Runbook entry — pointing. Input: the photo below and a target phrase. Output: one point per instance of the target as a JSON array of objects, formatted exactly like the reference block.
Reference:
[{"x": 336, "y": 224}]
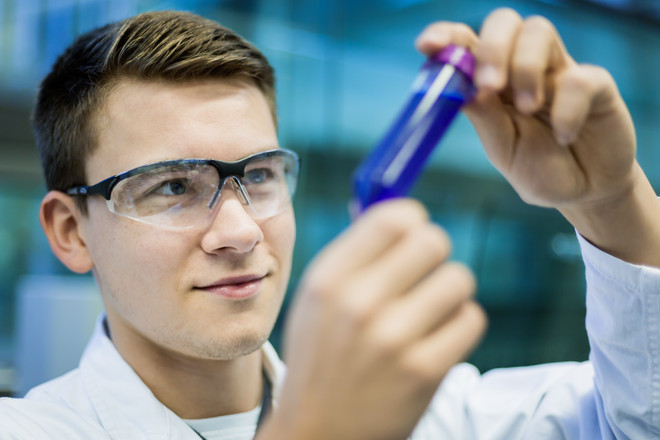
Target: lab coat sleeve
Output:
[
  {"x": 623, "y": 324},
  {"x": 614, "y": 395}
]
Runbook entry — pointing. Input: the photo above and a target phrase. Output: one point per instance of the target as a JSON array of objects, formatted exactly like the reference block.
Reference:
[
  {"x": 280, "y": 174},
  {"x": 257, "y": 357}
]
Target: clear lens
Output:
[
  {"x": 270, "y": 183},
  {"x": 182, "y": 194},
  {"x": 171, "y": 195}
]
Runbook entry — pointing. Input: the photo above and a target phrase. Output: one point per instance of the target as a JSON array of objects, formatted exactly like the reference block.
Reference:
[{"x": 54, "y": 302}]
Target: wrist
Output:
[{"x": 626, "y": 225}]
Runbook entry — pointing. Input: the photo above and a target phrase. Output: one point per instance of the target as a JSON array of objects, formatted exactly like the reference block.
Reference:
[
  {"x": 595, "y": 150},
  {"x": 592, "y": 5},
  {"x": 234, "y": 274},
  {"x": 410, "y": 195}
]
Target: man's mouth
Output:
[{"x": 237, "y": 288}]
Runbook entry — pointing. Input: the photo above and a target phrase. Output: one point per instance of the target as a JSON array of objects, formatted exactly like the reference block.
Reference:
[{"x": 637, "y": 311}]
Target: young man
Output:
[{"x": 159, "y": 145}]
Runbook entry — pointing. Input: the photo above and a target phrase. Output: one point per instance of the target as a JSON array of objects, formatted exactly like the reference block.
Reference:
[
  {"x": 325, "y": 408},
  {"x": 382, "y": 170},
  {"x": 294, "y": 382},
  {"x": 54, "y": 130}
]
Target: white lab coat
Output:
[{"x": 614, "y": 395}]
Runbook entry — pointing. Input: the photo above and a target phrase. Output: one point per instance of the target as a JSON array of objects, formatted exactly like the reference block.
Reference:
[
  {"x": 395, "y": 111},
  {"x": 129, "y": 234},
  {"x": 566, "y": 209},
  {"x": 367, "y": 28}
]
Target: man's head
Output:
[
  {"x": 156, "y": 88},
  {"x": 171, "y": 46}
]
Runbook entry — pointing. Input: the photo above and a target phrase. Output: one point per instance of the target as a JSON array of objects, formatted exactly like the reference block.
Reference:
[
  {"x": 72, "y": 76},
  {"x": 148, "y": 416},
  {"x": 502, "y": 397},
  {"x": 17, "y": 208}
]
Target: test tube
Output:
[{"x": 443, "y": 85}]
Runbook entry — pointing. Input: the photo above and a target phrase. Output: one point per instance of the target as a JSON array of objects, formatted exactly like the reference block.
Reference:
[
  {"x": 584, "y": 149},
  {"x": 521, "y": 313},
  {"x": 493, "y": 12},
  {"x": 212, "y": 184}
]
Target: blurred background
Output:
[{"x": 344, "y": 69}]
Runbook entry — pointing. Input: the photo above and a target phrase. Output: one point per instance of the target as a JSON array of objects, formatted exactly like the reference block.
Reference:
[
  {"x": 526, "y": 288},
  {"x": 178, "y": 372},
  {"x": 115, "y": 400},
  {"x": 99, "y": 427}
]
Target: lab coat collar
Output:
[{"x": 126, "y": 407}]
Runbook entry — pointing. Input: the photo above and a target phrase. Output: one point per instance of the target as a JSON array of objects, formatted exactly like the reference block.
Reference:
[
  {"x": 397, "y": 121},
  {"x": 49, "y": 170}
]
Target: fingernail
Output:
[
  {"x": 563, "y": 139},
  {"x": 487, "y": 76},
  {"x": 525, "y": 102},
  {"x": 438, "y": 38}
]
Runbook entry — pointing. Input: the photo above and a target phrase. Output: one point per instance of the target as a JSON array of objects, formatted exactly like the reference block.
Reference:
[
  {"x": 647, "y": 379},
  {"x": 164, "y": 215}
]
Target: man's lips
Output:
[{"x": 239, "y": 287}]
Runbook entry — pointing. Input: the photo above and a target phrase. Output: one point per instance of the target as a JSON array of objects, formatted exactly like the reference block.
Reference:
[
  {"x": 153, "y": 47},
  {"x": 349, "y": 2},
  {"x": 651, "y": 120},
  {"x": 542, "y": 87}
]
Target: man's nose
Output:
[{"x": 232, "y": 227}]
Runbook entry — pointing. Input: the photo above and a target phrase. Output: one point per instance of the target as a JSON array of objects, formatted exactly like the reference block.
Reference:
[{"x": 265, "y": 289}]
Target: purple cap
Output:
[{"x": 457, "y": 56}]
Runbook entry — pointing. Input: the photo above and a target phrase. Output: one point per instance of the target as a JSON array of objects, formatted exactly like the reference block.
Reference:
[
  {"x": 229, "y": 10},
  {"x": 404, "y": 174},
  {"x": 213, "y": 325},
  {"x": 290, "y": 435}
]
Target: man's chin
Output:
[{"x": 230, "y": 349}]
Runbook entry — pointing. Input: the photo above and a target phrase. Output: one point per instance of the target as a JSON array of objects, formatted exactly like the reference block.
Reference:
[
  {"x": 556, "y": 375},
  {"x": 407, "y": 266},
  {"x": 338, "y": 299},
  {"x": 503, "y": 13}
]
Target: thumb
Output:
[{"x": 494, "y": 126}]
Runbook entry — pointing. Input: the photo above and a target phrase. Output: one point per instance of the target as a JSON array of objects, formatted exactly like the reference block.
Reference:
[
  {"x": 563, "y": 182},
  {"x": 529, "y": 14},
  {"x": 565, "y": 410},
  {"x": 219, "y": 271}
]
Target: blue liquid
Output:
[{"x": 393, "y": 166}]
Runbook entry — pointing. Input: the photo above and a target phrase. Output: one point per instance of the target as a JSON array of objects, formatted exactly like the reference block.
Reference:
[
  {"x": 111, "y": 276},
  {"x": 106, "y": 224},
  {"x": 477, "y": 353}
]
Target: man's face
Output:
[{"x": 212, "y": 291}]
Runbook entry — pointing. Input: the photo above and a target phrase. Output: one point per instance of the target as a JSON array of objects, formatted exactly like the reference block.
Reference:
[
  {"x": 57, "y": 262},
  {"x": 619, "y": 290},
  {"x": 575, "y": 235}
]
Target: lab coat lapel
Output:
[{"x": 125, "y": 405}]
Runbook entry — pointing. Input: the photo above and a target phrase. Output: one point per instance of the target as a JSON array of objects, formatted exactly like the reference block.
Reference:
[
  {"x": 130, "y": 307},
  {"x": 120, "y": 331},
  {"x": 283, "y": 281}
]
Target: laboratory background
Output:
[{"x": 344, "y": 70}]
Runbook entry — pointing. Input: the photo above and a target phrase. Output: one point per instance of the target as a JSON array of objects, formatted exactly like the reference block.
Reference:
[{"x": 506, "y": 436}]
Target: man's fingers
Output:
[
  {"x": 411, "y": 258},
  {"x": 432, "y": 302},
  {"x": 537, "y": 51},
  {"x": 394, "y": 273},
  {"x": 368, "y": 238},
  {"x": 495, "y": 127},
  {"x": 580, "y": 90},
  {"x": 451, "y": 343},
  {"x": 493, "y": 52},
  {"x": 439, "y": 35}
]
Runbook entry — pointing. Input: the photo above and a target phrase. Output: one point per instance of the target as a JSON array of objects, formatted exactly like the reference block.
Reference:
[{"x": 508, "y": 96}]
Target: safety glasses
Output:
[{"x": 182, "y": 193}]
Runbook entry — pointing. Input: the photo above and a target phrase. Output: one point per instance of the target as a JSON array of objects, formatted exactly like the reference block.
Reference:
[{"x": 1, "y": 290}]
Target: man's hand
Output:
[
  {"x": 558, "y": 131},
  {"x": 380, "y": 318}
]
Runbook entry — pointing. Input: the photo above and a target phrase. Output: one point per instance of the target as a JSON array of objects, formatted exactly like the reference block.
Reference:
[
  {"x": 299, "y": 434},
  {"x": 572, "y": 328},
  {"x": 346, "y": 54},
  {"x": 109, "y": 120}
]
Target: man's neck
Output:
[{"x": 196, "y": 388}]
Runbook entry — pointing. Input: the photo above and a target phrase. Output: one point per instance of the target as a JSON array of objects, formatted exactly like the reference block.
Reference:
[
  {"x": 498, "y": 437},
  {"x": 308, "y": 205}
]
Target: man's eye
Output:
[
  {"x": 172, "y": 188},
  {"x": 258, "y": 175}
]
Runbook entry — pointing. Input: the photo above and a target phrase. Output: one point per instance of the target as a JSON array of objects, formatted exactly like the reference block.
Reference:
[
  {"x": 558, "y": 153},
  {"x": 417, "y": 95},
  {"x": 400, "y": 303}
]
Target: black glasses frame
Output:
[{"x": 225, "y": 169}]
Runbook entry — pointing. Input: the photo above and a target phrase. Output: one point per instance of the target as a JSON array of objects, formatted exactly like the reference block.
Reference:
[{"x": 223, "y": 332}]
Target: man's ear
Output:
[{"x": 60, "y": 220}]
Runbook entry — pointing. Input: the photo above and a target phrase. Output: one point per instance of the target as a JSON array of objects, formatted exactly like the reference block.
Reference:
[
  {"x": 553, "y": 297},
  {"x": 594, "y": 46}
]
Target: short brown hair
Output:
[{"x": 166, "y": 45}]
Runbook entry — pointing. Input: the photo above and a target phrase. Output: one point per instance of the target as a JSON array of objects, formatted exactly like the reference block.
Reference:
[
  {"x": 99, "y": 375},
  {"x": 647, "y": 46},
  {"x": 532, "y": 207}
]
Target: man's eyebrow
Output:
[{"x": 174, "y": 167}]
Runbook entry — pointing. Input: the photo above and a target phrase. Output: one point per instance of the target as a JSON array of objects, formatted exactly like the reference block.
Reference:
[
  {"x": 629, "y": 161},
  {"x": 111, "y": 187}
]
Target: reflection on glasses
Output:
[{"x": 182, "y": 193}]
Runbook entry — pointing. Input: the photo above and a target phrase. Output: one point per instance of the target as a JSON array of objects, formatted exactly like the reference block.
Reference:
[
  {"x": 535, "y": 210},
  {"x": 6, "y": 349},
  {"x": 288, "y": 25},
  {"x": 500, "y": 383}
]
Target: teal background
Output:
[{"x": 344, "y": 69}]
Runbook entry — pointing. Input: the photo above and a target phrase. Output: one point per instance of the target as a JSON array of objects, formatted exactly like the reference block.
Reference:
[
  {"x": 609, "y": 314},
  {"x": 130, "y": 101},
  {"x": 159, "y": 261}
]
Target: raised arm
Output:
[
  {"x": 558, "y": 131},
  {"x": 380, "y": 317},
  {"x": 561, "y": 134}
]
